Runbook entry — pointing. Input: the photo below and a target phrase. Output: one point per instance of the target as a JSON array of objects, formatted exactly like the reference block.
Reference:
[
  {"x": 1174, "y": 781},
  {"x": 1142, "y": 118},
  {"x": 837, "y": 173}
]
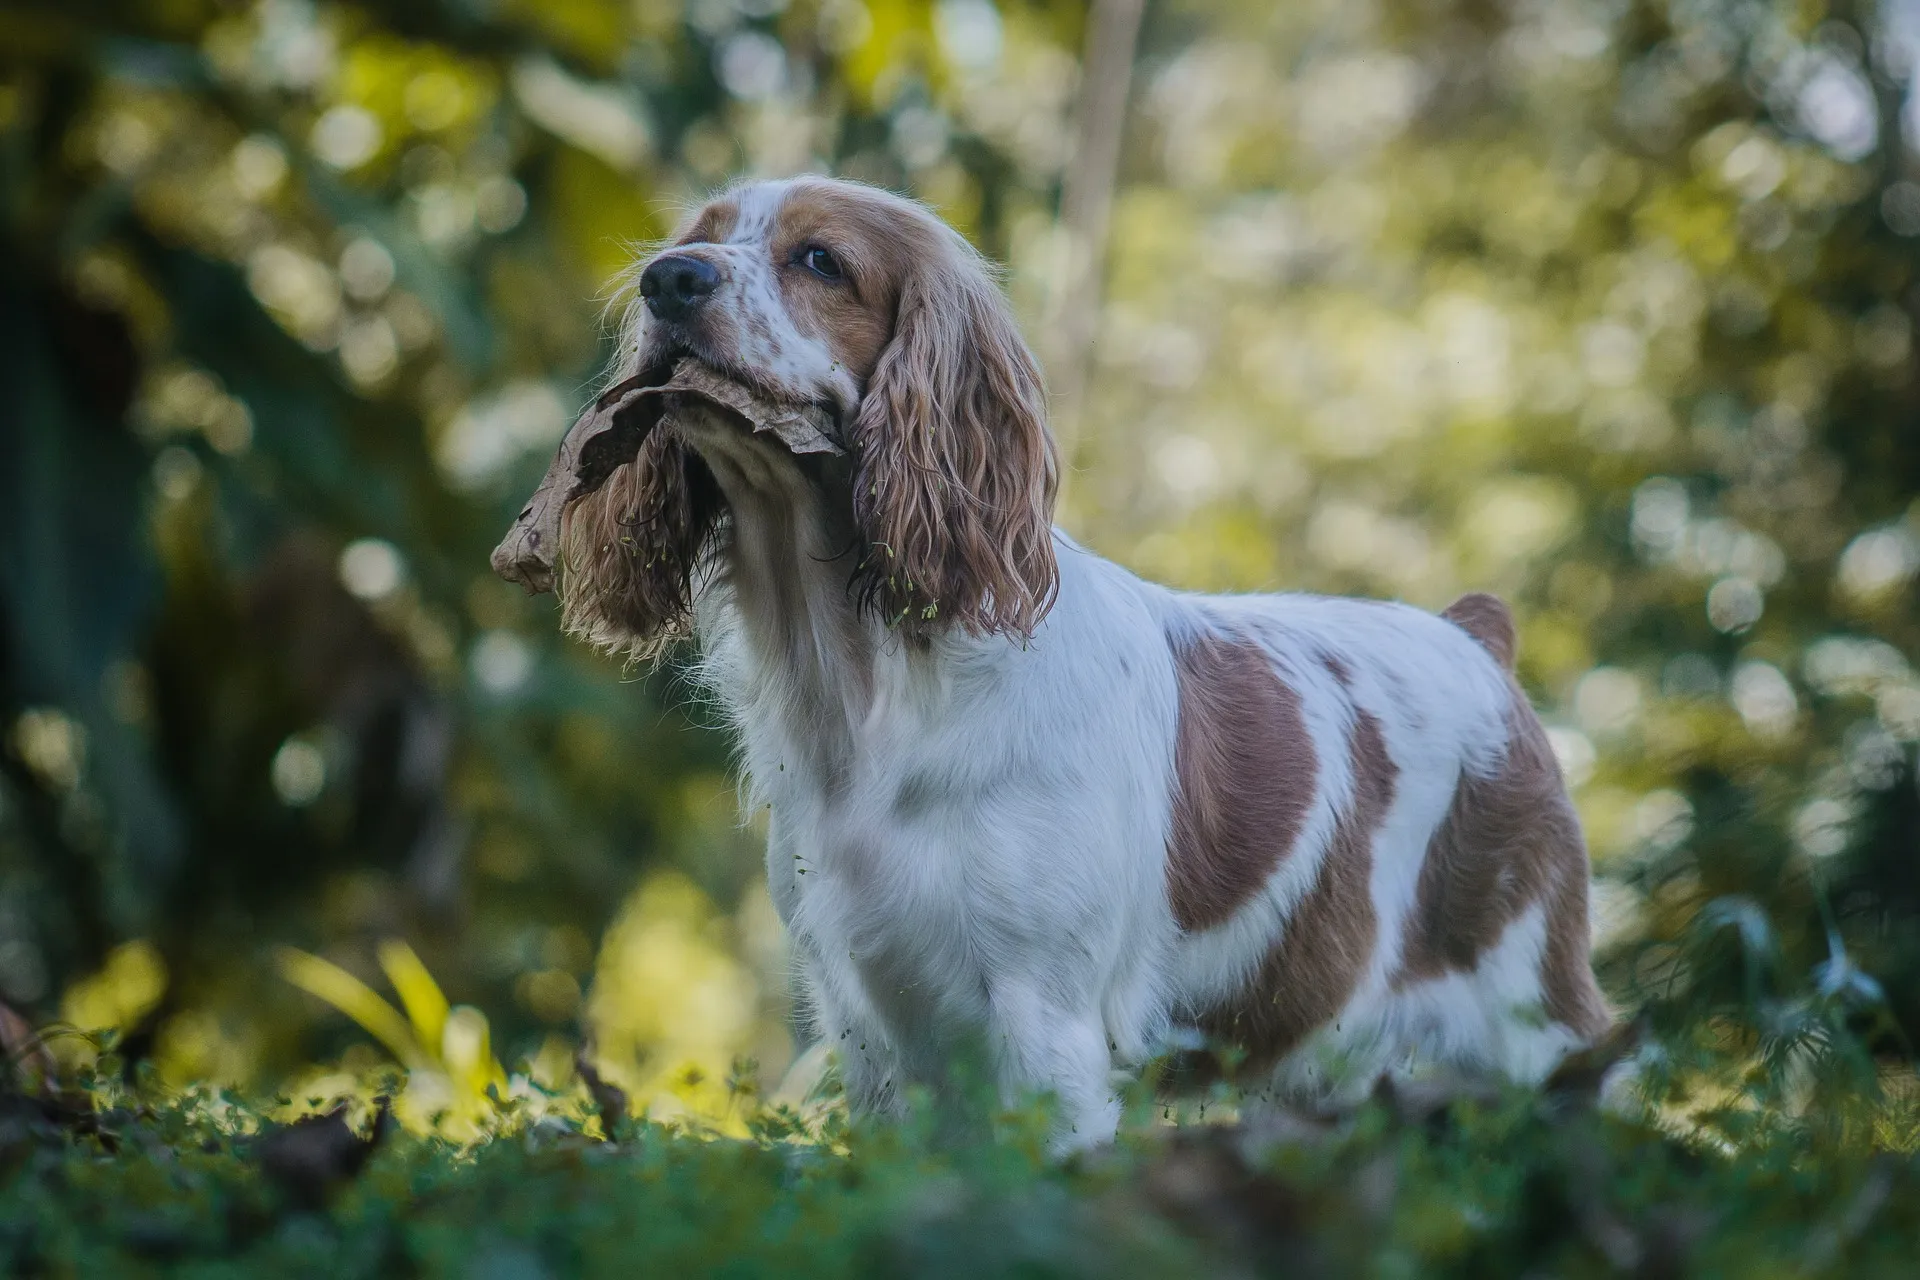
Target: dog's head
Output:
[{"x": 836, "y": 294}]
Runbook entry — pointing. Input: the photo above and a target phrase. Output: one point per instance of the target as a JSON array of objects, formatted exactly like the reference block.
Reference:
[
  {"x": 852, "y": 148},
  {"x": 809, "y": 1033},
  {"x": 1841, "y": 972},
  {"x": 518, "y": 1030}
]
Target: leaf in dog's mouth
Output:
[
  {"x": 612, "y": 430},
  {"x": 803, "y": 427}
]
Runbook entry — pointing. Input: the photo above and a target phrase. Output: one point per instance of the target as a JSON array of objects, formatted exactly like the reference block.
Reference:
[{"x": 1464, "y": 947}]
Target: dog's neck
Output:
[{"x": 782, "y": 637}]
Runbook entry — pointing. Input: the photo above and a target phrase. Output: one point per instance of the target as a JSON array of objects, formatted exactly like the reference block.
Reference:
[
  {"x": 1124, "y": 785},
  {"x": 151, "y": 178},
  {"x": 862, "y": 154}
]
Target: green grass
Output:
[{"x": 1524, "y": 1184}]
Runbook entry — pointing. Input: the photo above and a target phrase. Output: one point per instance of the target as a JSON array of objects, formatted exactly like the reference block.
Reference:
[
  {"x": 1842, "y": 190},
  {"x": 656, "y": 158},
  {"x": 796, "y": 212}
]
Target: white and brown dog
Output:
[{"x": 1021, "y": 798}]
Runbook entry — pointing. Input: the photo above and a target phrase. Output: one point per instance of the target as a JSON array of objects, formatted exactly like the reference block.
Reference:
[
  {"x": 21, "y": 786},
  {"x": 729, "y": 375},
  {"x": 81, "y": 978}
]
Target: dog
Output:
[{"x": 1024, "y": 803}]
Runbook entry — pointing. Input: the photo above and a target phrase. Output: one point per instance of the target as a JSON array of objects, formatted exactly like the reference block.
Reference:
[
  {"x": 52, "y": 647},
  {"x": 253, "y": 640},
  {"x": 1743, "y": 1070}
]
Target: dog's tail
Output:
[{"x": 1487, "y": 619}]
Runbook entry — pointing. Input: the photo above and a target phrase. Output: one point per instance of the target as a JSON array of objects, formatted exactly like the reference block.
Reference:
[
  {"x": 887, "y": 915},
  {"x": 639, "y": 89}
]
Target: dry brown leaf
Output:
[{"x": 610, "y": 433}]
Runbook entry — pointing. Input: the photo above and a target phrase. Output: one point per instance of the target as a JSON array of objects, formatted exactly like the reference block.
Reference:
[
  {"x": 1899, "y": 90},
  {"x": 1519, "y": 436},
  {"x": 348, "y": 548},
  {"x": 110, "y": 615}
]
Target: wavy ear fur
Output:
[
  {"x": 956, "y": 471},
  {"x": 629, "y": 549}
]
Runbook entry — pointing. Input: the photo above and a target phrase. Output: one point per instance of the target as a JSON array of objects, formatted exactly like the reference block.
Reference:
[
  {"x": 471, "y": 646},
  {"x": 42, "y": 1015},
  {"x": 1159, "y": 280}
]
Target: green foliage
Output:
[
  {"x": 1503, "y": 1187},
  {"x": 1605, "y": 308},
  {"x": 294, "y": 297}
]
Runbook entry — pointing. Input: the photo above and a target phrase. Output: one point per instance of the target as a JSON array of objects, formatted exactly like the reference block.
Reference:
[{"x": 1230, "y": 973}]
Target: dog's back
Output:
[{"x": 1373, "y": 860}]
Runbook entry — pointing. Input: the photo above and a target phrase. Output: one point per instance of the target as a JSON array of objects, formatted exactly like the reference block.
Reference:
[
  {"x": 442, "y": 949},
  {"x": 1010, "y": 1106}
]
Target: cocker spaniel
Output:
[{"x": 1023, "y": 802}]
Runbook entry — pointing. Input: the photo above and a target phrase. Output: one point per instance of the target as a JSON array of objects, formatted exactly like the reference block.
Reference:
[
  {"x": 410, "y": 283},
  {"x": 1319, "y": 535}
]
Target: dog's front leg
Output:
[
  {"x": 871, "y": 1070},
  {"x": 1042, "y": 1046}
]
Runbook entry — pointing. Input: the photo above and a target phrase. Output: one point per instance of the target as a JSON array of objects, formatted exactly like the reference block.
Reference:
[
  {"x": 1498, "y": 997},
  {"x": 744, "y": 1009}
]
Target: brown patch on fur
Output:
[
  {"x": 1244, "y": 768},
  {"x": 1337, "y": 668},
  {"x": 1310, "y": 973},
  {"x": 1568, "y": 993},
  {"x": 856, "y": 314},
  {"x": 1509, "y": 841},
  {"x": 628, "y": 549},
  {"x": 712, "y": 225},
  {"x": 1487, "y": 619}
]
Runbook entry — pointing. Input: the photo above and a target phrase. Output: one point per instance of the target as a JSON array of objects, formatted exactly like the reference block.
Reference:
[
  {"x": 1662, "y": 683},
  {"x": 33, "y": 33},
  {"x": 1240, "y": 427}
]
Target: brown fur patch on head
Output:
[
  {"x": 1508, "y": 841},
  {"x": 1309, "y": 974},
  {"x": 629, "y": 549},
  {"x": 1487, "y": 619},
  {"x": 955, "y": 467},
  {"x": 1244, "y": 772},
  {"x": 714, "y": 223},
  {"x": 876, "y": 239}
]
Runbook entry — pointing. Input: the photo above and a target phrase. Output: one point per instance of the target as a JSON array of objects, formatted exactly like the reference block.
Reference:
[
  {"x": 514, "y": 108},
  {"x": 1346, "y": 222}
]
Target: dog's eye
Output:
[{"x": 821, "y": 263}]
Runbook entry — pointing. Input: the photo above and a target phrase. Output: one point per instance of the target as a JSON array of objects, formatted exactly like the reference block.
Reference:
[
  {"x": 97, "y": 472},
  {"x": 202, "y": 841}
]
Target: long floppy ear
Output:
[
  {"x": 956, "y": 470},
  {"x": 629, "y": 549}
]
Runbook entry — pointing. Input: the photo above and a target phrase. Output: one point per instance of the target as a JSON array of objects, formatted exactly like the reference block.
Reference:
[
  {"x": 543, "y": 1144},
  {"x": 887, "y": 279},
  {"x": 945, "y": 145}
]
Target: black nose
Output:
[{"x": 674, "y": 285}]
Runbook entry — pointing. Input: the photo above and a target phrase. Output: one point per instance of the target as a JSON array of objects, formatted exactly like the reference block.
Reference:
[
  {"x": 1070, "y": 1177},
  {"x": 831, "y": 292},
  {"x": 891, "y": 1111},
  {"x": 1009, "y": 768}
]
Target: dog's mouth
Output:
[
  {"x": 615, "y": 427},
  {"x": 661, "y": 364}
]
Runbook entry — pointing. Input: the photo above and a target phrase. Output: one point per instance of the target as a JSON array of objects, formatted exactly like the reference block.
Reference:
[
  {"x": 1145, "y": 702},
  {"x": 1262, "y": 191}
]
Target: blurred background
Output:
[{"x": 1605, "y": 305}]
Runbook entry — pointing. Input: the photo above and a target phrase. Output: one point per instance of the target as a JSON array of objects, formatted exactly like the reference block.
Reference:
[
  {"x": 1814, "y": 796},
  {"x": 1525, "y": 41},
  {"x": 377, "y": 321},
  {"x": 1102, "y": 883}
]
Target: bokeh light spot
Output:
[{"x": 372, "y": 568}]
